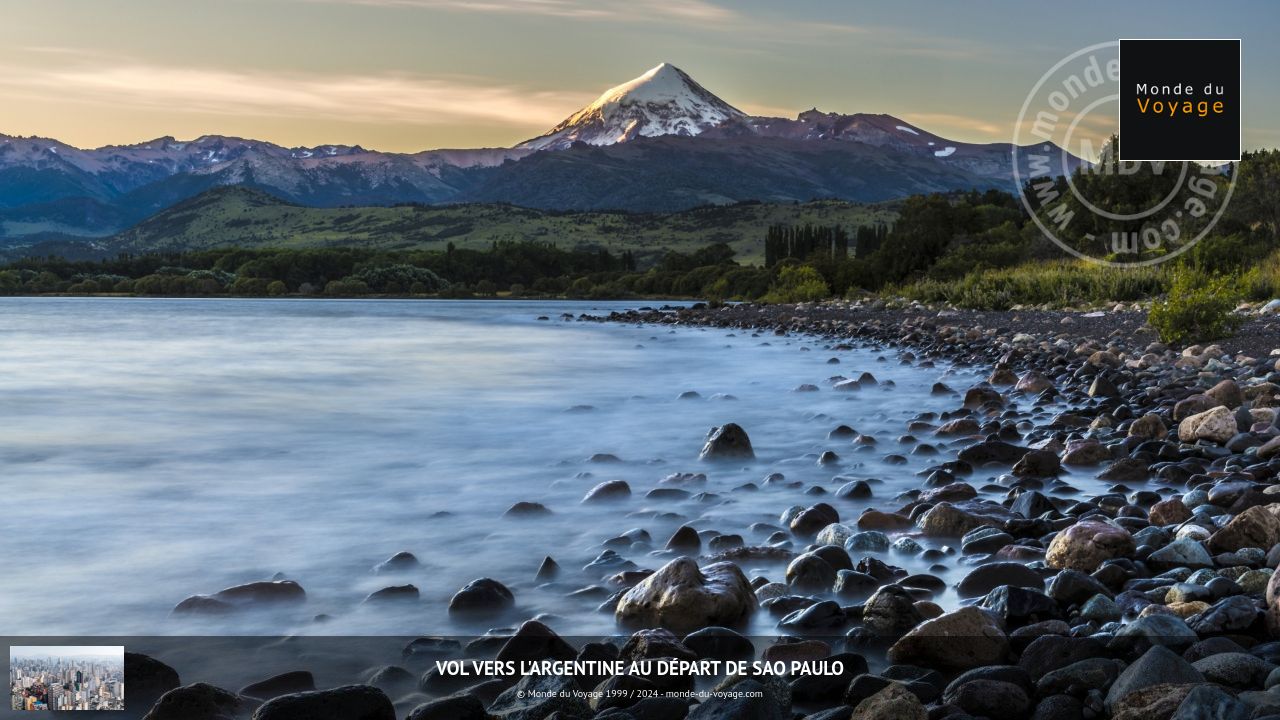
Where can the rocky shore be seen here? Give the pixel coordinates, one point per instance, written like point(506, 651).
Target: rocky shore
point(1153, 598)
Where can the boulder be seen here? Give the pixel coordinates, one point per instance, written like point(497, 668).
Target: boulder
point(894, 702)
point(1256, 527)
point(484, 596)
point(1148, 427)
point(1157, 666)
point(1217, 425)
point(985, 578)
point(148, 678)
point(890, 612)
point(608, 491)
point(682, 597)
point(539, 696)
point(1169, 512)
point(351, 702)
point(198, 702)
point(727, 442)
point(958, 640)
point(1085, 545)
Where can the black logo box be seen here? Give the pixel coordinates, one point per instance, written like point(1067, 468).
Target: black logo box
point(1187, 64)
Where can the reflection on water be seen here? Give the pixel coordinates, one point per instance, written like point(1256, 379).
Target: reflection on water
point(155, 449)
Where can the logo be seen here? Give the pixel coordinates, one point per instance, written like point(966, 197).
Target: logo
point(1080, 193)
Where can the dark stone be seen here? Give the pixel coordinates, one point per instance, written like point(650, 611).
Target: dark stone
point(148, 678)
point(1157, 666)
point(994, 699)
point(352, 702)
point(458, 707)
point(535, 641)
point(282, 684)
point(727, 442)
point(719, 643)
point(985, 578)
point(197, 702)
point(482, 597)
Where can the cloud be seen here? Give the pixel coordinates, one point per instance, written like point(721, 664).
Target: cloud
point(384, 98)
point(934, 121)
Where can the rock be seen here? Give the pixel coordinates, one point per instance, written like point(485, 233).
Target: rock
point(1148, 427)
point(1228, 615)
point(197, 702)
point(946, 520)
point(400, 562)
point(1207, 702)
point(719, 643)
point(1085, 452)
point(1079, 677)
point(812, 519)
point(1226, 393)
point(535, 641)
point(894, 702)
point(484, 596)
point(1059, 707)
point(810, 573)
point(539, 696)
point(960, 426)
point(148, 678)
point(867, 541)
point(254, 594)
point(1157, 666)
point(1157, 702)
point(1103, 387)
point(1031, 503)
point(1236, 669)
point(992, 451)
point(351, 702)
point(1181, 553)
point(1157, 629)
point(825, 615)
point(1033, 383)
point(527, 509)
point(812, 689)
point(958, 640)
point(878, 520)
point(282, 684)
point(392, 594)
point(854, 585)
point(608, 491)
point(1072, 587)
point(1085, 545)
point(457, 707)
point(727, 442)
point(890, 612)
point(1256, 527)
point(682, 597)
point(1217, 425)
point(1038, 463)
point(985, 578)
point(1047, 653)
point(834, 534)
point(1019, 606)
point(1169, 512)
point(1100, 609)
point(993, 699)
point(685, 539)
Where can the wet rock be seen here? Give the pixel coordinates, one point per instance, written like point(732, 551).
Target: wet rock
point(810, 573)
point(1181, 553)
point(894, 702)
point(535, 641)
point(282, 684)
point(608, 491)
point(148, 678)
point(1208, 702)
point(457, 707)
point(548, 570)
point(1072, 587)
point(1047, 653)
point(1085, 452)
point(393, 593)
point(879, 520)
point(1080, 677)
point(527, 509)
point(958, 640)
point(825, 615)
point(979, 395)
point(814, 689)
point(1228, 615)
point(1085, 545)
point(834, 534)
point(719, 643)
point(352, 702)
point(1149, 703)
point(1038, 464)
point(1148, 427)
point(1217, 425)
point(947, 520)
point(890, 611)
point(1169, 512)
point(854, 585)
point(539, 696)
point(1255, 527)
point(812, 519)
point(992, 452)
point(197, 702)
point(484, 596)
point(993, 699)
point(682, 597)
point(400, 562)
point(685, 539)
point(1019, 606)
point(655, 643)
point(249, 595)
point(1235, 669)
point(1226, 393)
point(986, 578)
point(1157, 666)
point(727, 442)
point(867, 541)
point(1033, 383)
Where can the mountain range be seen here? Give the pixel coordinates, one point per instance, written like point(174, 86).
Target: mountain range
point(658, 143)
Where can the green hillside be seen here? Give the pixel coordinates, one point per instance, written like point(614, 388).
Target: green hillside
point(242, 217)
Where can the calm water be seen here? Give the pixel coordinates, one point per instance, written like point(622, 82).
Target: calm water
point(155, 449)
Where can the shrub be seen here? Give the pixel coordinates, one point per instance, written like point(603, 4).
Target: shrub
point(1197, 308)
point(277, 288)
point(346, 287)
point(398, 277)
point(798, 283)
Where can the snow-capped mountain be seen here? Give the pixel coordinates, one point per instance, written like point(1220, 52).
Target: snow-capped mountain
point(663, 101)
point(658, 143)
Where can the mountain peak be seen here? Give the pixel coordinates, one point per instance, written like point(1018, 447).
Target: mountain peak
point(662, 101)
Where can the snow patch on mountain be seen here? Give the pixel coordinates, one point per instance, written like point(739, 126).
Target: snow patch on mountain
point(944, 152)
point(663, 101)
point(904, 128)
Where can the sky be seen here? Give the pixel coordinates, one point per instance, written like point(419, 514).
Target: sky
point(410, 75)
point(67, 651)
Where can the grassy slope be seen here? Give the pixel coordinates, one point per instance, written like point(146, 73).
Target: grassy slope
point(246, 218)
